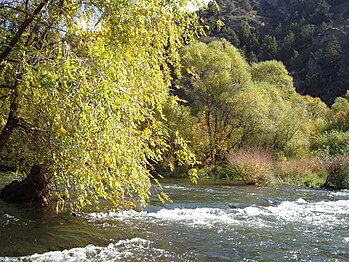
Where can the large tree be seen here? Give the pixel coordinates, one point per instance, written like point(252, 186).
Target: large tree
point(82, 88)
point(214, 75)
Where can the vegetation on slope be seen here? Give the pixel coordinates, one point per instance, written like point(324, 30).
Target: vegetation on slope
point(309, 36)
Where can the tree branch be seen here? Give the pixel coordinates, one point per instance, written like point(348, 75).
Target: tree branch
point(20, 31)
point(4, 86)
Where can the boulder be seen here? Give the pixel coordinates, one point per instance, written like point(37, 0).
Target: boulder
point(34, 188)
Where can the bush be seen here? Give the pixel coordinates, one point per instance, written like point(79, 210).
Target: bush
point(304, 171)
point(252, 166)
point(315, 179)
point(337, 172)
point(334, 142)
point(219, 172)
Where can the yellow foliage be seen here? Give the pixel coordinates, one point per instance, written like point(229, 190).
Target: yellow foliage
point(94, 81)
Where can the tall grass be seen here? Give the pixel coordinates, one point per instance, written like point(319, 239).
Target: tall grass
point(307, 170)
point(253, 166)
point(258, 166)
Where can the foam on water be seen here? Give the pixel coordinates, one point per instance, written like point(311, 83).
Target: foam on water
point(177, 187)
point(120, 251)
point(344, 193)
point(321, 214)
point(346, 240)
point(203, 225)
point(7, 219)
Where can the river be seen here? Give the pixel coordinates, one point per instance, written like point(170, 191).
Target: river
point(206, 222)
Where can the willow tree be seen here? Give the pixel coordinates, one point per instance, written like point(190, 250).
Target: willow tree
point(83, 85)
point(214, 75)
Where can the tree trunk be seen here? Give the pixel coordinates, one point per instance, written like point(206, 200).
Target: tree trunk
point(12, 121)
point(20, 31)
point(6, 132)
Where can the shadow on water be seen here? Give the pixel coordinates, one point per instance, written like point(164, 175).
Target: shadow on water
point(28, 228)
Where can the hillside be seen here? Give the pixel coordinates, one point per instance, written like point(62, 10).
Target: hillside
point(311, 37)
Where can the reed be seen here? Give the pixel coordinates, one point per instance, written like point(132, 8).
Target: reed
point(252, 166)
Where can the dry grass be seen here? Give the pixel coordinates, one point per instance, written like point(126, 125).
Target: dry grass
point(252, 166)
point(257, 166)
point(298, 168)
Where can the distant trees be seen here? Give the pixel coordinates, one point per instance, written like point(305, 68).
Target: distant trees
point(243, 112)
point(237, 105)
point(307, 40)
point(269, 47)
point(245, 4)
point(331, 53)
point(340, 112)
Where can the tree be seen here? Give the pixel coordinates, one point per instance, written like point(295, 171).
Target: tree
point(274, 73)
point(245, 4)
point(214, 74)
point(287, 126)
point(244, 32)
point(332, 53)
point(340, 112)
point(269, 47)
point(83, 86)
point(322, 12)
point(307, 32)
point(253, 58)
point(288, 44)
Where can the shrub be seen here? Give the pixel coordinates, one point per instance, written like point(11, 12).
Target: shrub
point(334, 142)
point(252, 166)
point(304, 171)
point(337, 172)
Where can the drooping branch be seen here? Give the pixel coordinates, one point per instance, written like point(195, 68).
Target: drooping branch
point(7, 86)
point(20, 31)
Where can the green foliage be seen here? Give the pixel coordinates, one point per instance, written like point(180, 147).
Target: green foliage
point(247, 35)
point(245, 4)
point(269, 47)
point(340, 112)
point(322, 11)
point(307, 32)
point(213, 75)
point(237, 105)
point(85, 87)
point(309, 37)
point(288, 42)
point(301, 171)
point(338, 172)
point(274, 73)
point(180, 123)
point(316, 180)
point(331, 53)
point(216, 172)
point(285, 127)
point(333, 142)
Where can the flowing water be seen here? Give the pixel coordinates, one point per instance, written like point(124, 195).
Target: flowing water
point(206, 222)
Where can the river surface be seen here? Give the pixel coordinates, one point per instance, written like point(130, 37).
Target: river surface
point(206, 222)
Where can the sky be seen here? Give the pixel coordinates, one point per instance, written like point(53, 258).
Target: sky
point(193, 6)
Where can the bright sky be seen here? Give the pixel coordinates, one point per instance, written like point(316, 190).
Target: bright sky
point(193, 6)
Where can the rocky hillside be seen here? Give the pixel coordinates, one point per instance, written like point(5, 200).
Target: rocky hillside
point(311, 37)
